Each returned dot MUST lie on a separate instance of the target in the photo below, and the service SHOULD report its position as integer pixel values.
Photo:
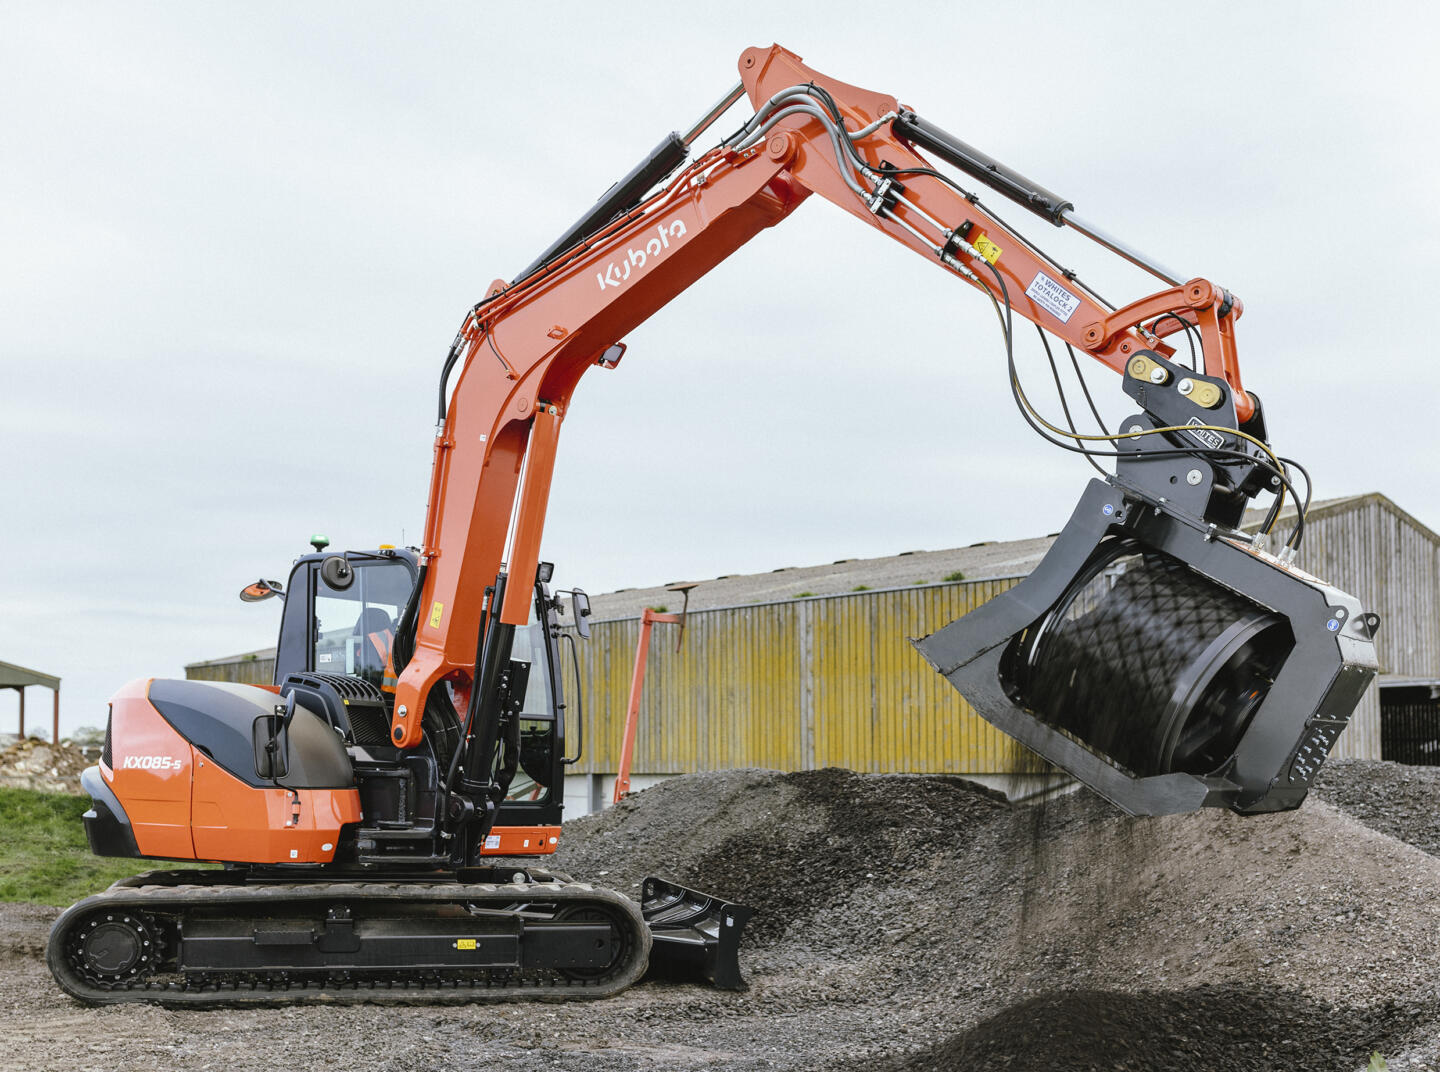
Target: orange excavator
(417, 729)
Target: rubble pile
(30, 763)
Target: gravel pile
(907, 922)
(1401, 801)
(1206, 1028)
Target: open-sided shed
(19, 678)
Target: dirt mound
(1401, 801)
(31, 763)
(789, 845)
(929, 899)
(1204, 1029)
(912, 922)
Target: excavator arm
(521, 351)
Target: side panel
(521, 841)
(151, 774)
(238, 823)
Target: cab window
(355, 629)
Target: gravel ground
(910, 923)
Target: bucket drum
(1165, 662)
(1138, 634)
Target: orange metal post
(637, 680)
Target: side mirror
(580, 607)
(337, 573)
(261, 589)
(271, 735)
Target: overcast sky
(237, 241)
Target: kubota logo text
(150, 763)
(635, 259)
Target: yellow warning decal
(987, 249)
(464, 943)
(435, 613)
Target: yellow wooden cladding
(826, 681)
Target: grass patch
(958, 575)
(44, 856)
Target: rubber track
(250, 990)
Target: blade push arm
(523, 349)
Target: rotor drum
(1148, 662)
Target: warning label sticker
(988, 249)
(492, 841)
(435, 612)
(1052, 297)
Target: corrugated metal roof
(1340, 505)
(12, 676)
(243, 657)
(981, 561)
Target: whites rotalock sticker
(492, 841)
(1052, 297)
(1208, 436)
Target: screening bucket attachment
(696, 935)
(1158, 653)
(1166, 663)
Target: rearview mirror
(337, 573)
(261, 589)
(580, 607)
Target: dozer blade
(696, 935)
(1165, 662)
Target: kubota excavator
(417, 727)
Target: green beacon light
(319, 542)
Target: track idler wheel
(593, 914)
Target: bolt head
(1134, 428)
(1158, 375)
(402, 710)
(1186, 386)
(1193, 477)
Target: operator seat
(376, 629)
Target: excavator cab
(337, 650)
